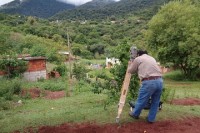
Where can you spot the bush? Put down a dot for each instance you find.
(79, 70)
(52, 85)
(13, 66)
(16, 86)
(9, 88)
(167, 95)
(82, 86)
(4, 105)
(62, 69)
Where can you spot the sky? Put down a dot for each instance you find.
(4, 1)
(75, 2)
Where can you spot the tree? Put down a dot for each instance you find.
(79, 71)
(12, 65)
(122, 53)
(97, 48)
(174, 33)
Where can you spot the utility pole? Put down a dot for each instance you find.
(70, 71)
(69, 50)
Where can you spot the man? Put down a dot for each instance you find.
(151, 86)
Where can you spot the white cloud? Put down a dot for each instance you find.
(77, 2)
(2, 2)
(74, 2)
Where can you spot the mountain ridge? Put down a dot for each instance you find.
(120, 8)
(95, 9)
(38, 8)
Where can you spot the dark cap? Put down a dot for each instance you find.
(141, 52)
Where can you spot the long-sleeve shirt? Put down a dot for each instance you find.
(146, 66)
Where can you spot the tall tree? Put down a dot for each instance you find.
(174, 32)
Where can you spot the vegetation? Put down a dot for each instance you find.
(176, 38)
(113, 11)
(94, 10)
(38, 8)
(12, 66)
(94, 39)
(94, 93)
(84, 105)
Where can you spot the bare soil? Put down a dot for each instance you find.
(186, 125)
(189, 125)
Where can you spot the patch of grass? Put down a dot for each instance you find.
(52, 84)
(174, 75)
(86, 106)
(184, 89)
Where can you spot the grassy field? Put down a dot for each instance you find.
(89, 107)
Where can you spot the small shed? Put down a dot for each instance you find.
(110, 62)
(36, 68)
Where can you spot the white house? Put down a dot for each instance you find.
(110, 62)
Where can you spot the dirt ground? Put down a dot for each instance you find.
(186, 125)
(189, 125)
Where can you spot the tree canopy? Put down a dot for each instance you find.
(174, 32)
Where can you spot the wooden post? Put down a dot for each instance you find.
(124, 92)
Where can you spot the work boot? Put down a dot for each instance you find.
(132, 104)
(150, 122)
(133, 116)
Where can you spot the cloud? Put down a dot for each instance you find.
(77, 2)
(74, 2)
(2, 2)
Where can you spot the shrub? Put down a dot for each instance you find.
(62, 69)
(12, 66)
(52, 85)
(79, 71)
(82, 86)
(4, 105)
(9, 88)
(167, 95)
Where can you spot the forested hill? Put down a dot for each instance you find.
(116, 9)
(38, 8)
(94, 4)
(96, 9)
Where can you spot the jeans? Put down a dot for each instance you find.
(153, 89)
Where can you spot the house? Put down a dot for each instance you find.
(68, 55)
(36, 68)
(110, 62)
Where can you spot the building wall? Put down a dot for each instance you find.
(36, 70)
(36, 65)
(34, 76)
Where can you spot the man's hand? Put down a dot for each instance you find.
(130, 62)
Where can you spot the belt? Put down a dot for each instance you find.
(151, 78)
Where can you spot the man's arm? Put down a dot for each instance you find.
(133, 66)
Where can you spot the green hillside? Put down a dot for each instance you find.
(117, 9)
(38, 8)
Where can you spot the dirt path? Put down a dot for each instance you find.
(189, 125)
